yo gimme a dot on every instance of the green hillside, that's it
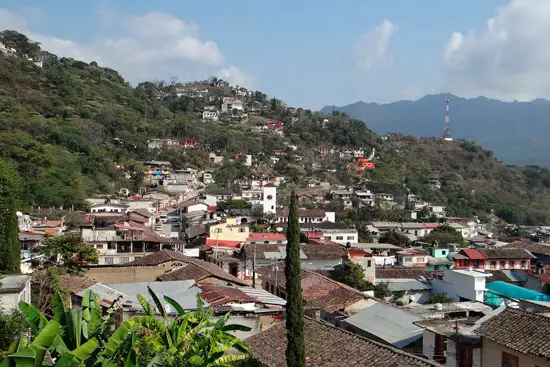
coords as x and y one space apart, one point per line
64 125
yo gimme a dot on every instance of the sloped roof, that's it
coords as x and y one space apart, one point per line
328 346
402 273
389 323
505 253
74 283
473 254
534 247
266 237
194 269
522 331
220 295
310 251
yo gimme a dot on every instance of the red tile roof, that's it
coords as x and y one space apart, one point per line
223 243
473 254
266 237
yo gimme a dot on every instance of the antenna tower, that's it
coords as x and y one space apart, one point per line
447 129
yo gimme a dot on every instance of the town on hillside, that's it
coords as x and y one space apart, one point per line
395 269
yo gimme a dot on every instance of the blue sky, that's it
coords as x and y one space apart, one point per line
308 53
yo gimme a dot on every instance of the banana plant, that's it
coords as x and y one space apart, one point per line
191 337
38 352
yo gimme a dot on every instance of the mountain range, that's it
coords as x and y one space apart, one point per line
516 132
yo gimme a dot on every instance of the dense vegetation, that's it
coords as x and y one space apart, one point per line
64 126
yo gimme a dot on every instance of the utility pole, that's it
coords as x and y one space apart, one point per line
254 268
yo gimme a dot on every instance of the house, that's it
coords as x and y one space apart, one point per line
327 345
367 197
365 259
190 143
461 285
13 289
220 194
210 115
340 195
245 158
229 234
307 216
267 238
163 265
493 259
230 103
540 250
411 257
193 205
141 216
215 159
386 324
116 209
342 236
334 301
207 178
515 338
440 259
409 290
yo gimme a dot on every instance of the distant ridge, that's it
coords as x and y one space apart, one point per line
517 132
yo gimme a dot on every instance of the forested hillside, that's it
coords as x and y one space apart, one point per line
518 132
74 129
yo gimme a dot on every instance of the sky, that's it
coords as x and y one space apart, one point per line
309 53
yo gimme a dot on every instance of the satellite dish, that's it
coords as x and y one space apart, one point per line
279 229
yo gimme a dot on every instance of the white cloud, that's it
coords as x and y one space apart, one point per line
234 76
153 46
508 59
373 48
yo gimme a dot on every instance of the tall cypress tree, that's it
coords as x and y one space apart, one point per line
10 255
295 350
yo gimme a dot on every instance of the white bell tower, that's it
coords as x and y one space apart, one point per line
270 199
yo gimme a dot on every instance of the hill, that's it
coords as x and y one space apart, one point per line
75 129
517 132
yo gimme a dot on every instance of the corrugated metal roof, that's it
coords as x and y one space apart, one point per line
388 323
405 285
263 296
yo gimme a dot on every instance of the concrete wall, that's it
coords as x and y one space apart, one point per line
369 267
460 285
428 344
491 355
10 301
130 274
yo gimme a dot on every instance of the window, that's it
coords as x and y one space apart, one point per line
511 264
368 264
350 238
420 260
269 197
408 259
502 264
493 265
217 230
328 238
241 230
339 238
524 264
509 360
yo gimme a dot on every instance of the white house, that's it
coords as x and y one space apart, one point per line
210 115
342 236
366 197
462 285
14 288
207 177
109 208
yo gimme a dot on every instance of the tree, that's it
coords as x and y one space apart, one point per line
68 252
382 290
444 235
440 298
295 350
11 326
394 238
354 276
10 258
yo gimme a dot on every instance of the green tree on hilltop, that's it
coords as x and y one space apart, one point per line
295 350
9 228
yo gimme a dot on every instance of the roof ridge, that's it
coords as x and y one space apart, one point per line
385 346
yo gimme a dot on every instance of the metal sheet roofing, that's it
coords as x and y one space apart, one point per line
406 285
388 323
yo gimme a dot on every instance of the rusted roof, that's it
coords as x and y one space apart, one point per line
329 346
75 283
274 251
191 268
522 331
534 247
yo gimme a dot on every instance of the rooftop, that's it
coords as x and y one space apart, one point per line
328 346
221 295
389 323
519 330
406 285
505 253
260 237
309 251
13 283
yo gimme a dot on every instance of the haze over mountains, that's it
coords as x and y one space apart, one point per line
517 132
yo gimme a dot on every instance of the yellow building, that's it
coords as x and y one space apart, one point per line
230 234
